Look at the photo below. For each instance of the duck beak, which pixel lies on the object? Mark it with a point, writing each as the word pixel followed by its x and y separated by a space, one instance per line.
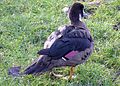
pixel 85 15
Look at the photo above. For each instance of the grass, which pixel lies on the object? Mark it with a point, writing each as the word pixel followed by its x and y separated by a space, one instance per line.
pixel 25 25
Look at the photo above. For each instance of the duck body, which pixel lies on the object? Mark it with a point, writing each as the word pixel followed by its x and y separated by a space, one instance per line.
pixel 69 45
pixel 67 39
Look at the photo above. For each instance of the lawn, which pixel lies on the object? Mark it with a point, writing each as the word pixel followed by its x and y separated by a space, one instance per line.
pixel 25 25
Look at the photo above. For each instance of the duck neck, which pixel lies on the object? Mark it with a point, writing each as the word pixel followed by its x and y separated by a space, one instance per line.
pixel 76 23
pixel 75 17
pixel 79 24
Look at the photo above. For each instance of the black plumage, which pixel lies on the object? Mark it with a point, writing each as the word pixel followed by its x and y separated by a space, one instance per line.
pixel 61 44
pixel 72 40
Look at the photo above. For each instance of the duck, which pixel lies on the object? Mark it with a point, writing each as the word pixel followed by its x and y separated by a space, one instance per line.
pixel 70 45
pixel 66 10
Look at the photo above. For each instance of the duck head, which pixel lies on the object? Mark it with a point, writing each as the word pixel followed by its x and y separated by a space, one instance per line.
pixel 76 12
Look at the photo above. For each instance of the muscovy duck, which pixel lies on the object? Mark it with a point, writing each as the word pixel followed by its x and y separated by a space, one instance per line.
pixel 69 45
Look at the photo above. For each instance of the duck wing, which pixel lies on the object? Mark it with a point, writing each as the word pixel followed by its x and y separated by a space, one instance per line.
pixel 54 36
pixel 76 39
pixel 69 39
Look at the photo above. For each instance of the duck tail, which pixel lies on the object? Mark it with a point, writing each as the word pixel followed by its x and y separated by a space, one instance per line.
pixel 41 66
pixel 38 67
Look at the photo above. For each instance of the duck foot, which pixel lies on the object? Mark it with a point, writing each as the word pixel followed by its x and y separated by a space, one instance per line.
pixel 60 76
pixel 68 77
pixel 52 74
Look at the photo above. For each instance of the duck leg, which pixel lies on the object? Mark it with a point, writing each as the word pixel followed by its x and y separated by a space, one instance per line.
pixel 64 77
pixel 71 72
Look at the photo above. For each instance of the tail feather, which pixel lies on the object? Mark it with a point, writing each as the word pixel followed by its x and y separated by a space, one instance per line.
pixel 44 64
pixel 14 71
pixel 31 69
pixel 38 67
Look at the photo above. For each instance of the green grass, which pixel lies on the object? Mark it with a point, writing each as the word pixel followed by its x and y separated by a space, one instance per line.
pixel 25 25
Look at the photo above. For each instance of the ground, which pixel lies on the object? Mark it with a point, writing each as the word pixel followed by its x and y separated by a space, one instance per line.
pixel 25 25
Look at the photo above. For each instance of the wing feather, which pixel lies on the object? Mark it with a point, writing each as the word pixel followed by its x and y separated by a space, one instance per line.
pixel 74 40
